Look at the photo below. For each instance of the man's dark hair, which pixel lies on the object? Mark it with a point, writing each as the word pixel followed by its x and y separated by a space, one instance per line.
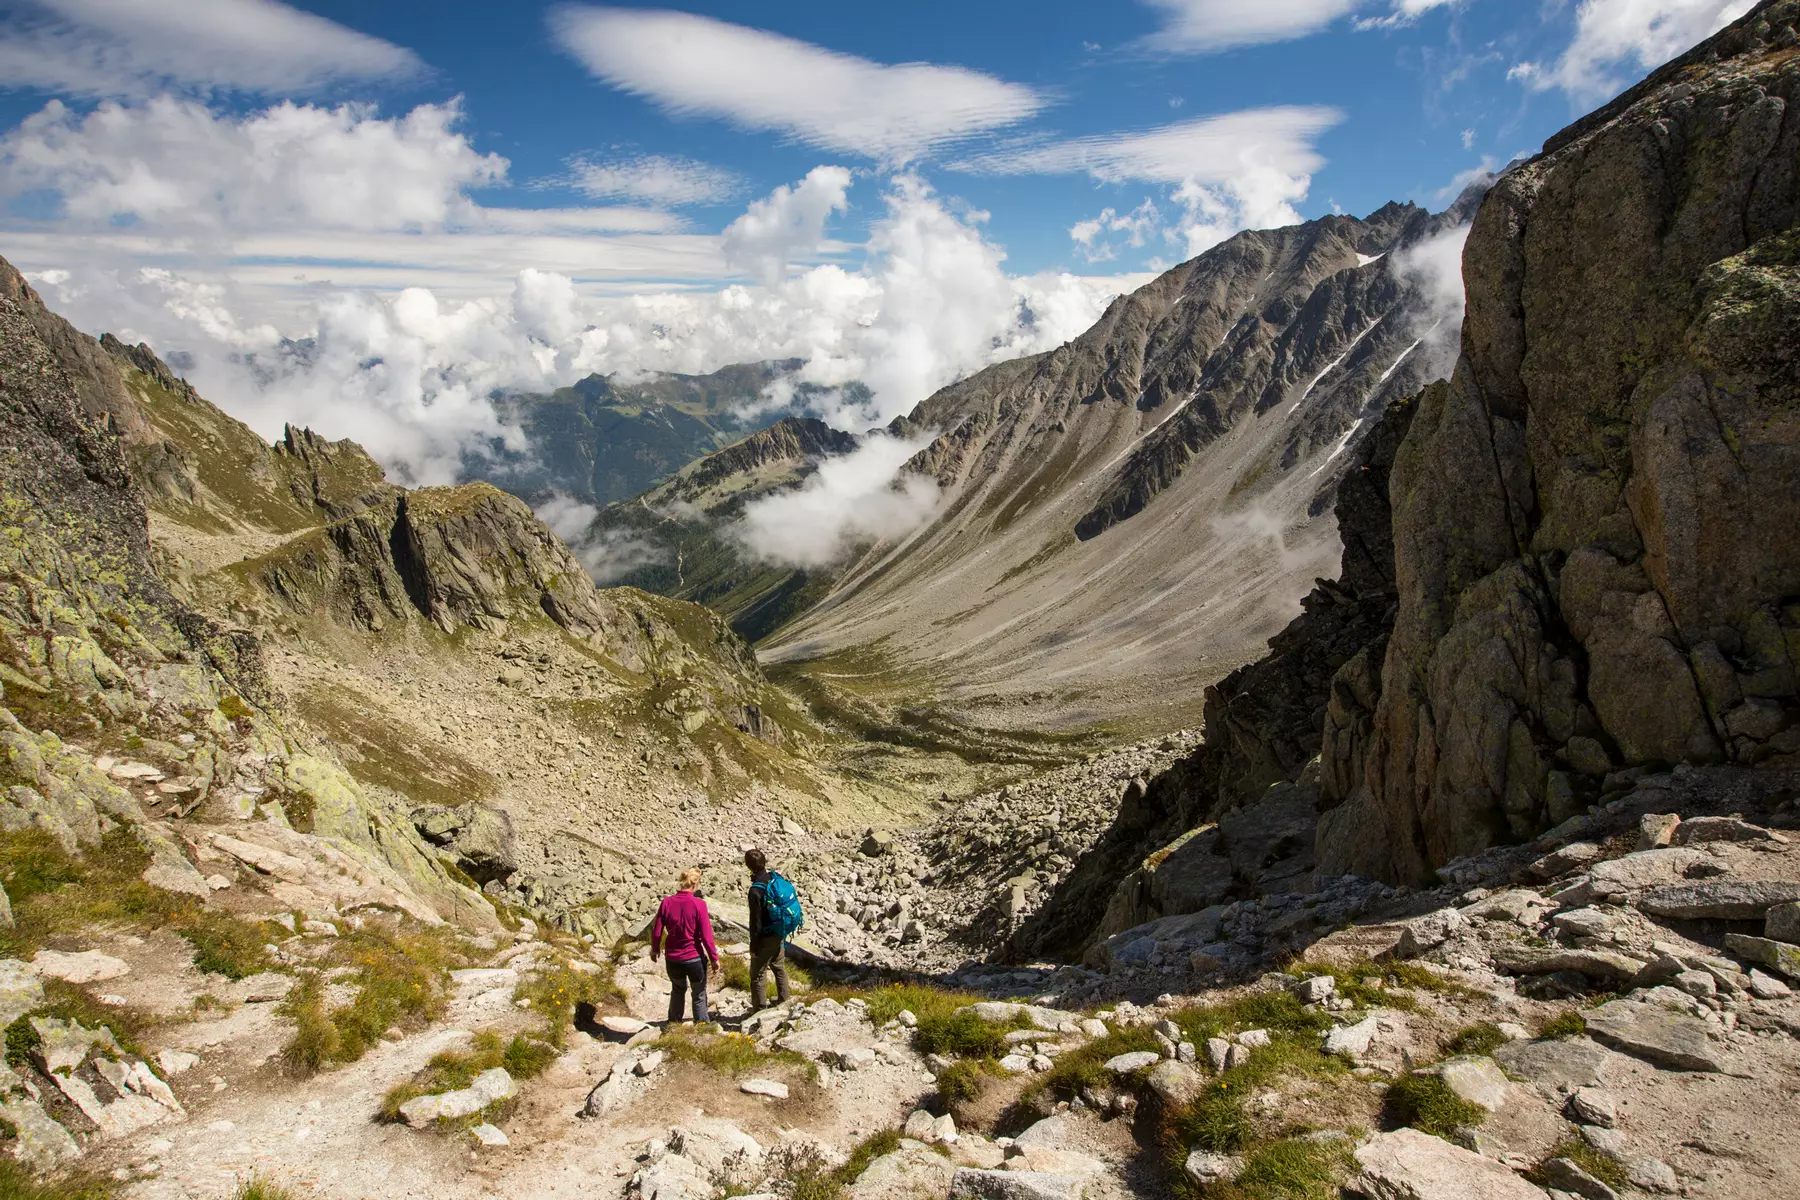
pixel 756 860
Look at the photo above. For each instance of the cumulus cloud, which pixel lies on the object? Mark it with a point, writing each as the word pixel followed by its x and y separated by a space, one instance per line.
pixel 786 226
pixel 176 166
pixel 1204 26
pixel 853 499
pixel 653 179
pixel 410 373
pixel 1095 238
pixel 137 47
pixel 691 65
pixel 1616 40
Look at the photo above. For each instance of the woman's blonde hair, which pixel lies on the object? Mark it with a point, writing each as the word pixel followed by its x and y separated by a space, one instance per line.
pixel 690 879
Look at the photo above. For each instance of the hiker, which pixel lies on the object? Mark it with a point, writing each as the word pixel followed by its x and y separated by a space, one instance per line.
pixel 774 917
pixel 682 931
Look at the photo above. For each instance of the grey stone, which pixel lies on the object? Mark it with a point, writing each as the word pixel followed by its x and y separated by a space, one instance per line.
pixel 1312 991
pixel 1607 1141
pixel 20 990
pixel 1656 830
pixel 489 1087
pixel 1566 1175
pixel 1217 1051
pixel 489 1135
pixel 1593 1106
pixel 1586 922
pixel 1696 830
pixel 1782 922
pixel 1662 1037
pixel 1557 1063
pixel 1136 1060
pixel 1474 1078
pixel 1767 987
pixel 1781 957
pixel 1352 1041
pixel 764 1087
pixel 1409 1165
pixel 1566 859
pixel 1176 1083
pixel 1718 900
pixel 1652 1175
pixel 1428 932
pixel 1204 1167
pixel 973 1183
pixel 1517 958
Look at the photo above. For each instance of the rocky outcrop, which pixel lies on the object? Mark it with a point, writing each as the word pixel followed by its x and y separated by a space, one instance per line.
pixel 1594 518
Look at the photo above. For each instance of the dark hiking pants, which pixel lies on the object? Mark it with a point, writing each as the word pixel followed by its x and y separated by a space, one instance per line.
pixel 767 954
pixel 686 975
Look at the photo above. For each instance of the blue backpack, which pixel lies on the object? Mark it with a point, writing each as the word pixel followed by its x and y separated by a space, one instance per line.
pixel 781 907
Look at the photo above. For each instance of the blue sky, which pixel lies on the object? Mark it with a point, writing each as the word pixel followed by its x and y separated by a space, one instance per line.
pixel 490 195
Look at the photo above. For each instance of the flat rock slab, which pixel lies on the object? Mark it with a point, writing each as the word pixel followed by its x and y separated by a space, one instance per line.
pixel 971 1183
pixel 20 990
pixel 1516 958
pixel 1718 901
pixel 1476 1079
pixel 1352 1041
pixel 1137 1060
pixel 90 966
pixel 1657 1035
pixel 1409 1165
pixel 1558 1063
pixel 764 1087
pixel 1781 957
pixel 1000 1012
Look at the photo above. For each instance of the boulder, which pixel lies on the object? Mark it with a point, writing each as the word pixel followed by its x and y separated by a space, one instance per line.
pixel 1428 932
pixel 1657 1035
pixel 21 990
pixel 1176 1083
pixel 1566 1175
pixel 489 1087
pixel 478 835
pixel 1409 1165
pixel 1782 923
pixel 971 1183
pixel 712 1144
pixel 1136 1060
pixel 1205 1167
pixel 1698 830
pixel 1717 900
pixel 904 1174
pixel 1594 1106
pixel 1656 830
pixel 1781 957
pixel 1474 1078
pixel 1352 1041
pixel 1518 958
pixel 764 1087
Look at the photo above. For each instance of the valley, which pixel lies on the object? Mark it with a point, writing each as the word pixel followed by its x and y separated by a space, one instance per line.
pixel 1317 743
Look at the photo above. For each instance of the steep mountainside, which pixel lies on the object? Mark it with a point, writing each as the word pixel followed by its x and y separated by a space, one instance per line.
pixel 1594 560
pixel 680 529
pixel 608 438
pixel 1127 517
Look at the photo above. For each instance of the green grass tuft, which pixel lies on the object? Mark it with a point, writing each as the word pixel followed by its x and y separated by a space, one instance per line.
pixel 400 977
pixel 555 994
pixel 960 1082
pixel 259 1187
pixel 732 1054
pixel 18 1183
pixel 1598 1163
pixel 1426 1103
pixel 1564 1025
pixel 1483 1039
pixel 1290 1169
pixel 451 1070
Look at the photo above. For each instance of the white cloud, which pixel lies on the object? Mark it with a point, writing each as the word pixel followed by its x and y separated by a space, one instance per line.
pixel 409 373
pixel 1203 26
pixel 175 165
pixel 1206 150
pixel 1468 139
pixel 1434 267
pixel 1243 170
pixel 608 554
pixel 1405 12
pixel 691 65
pixel 654 179
pixel 1092 237
pixel 854 498
pixel 786 226
pixel 1616 40
pixel 136 47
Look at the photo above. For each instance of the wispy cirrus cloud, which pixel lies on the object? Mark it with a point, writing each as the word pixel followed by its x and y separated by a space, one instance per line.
pixel 1206 26
pixel 138 47
pixel 691 65
pixel 653 179
pixel 1242 170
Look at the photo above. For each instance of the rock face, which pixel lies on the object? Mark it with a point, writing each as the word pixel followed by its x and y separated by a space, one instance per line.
pixel 1594 517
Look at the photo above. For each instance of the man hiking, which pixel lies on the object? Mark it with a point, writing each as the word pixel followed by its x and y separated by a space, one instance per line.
pixel 774 917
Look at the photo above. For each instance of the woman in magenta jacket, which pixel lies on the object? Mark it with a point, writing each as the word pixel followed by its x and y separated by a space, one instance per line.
pixel 682 933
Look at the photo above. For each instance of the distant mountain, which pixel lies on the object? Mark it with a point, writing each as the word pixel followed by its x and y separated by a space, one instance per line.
pixel 611 437
pixel 682 527
pixel 1123 519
